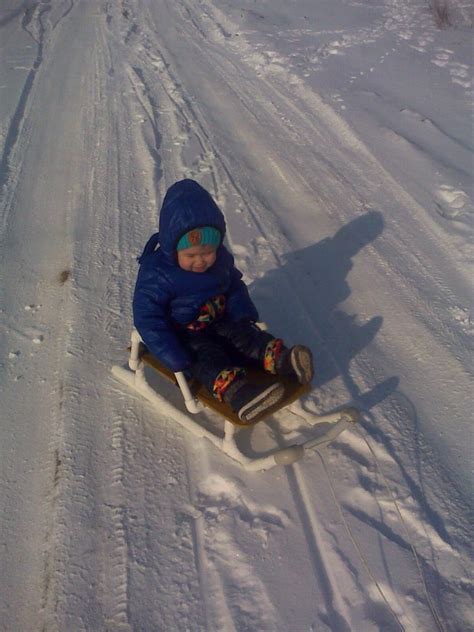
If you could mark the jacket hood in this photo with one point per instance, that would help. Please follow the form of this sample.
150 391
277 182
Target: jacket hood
187 205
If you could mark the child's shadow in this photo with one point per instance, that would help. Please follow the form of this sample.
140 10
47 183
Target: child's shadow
299 301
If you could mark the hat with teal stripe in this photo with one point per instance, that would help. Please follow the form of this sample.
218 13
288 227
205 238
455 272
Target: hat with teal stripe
204 236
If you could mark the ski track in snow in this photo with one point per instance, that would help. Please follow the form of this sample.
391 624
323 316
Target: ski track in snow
136 526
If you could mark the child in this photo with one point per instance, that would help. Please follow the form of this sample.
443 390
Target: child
194 312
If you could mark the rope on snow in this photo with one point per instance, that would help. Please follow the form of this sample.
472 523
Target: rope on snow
356 546
429 601
431 605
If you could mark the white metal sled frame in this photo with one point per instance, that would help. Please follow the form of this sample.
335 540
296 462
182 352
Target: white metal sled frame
136 379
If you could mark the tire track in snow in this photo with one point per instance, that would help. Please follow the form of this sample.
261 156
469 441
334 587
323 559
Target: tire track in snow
89 586
34 23
39 235
69 7
17 124
100 259
117 617
207 162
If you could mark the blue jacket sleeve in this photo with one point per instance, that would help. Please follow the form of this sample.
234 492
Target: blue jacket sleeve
151 318
239 305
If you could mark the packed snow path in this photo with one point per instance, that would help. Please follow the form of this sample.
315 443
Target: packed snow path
346 191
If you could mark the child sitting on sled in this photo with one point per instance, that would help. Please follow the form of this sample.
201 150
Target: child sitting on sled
194 313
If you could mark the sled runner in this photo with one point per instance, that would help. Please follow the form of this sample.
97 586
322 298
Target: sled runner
196 398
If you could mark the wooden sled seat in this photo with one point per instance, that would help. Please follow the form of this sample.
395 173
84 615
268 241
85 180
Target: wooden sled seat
293 390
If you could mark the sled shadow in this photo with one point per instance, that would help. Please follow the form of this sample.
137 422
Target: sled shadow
319 273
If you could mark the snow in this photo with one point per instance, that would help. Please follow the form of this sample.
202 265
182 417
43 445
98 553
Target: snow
337 137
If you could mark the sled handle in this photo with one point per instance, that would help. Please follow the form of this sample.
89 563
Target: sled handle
190 401
135 362
135 342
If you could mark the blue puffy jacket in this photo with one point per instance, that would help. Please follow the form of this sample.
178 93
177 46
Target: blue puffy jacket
166 296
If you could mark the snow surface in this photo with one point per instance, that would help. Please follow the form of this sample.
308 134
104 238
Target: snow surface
336 135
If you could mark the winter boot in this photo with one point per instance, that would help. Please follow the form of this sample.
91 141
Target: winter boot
297 361
249 400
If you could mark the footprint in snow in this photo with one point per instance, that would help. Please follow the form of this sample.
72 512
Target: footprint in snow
464 317
32 309
453 204
460 73
227 517
219 497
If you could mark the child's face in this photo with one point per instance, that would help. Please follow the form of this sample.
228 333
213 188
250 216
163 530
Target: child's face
197 258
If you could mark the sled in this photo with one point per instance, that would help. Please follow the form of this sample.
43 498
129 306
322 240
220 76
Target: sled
197 398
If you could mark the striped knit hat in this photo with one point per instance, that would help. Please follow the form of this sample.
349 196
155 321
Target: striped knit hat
203 236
